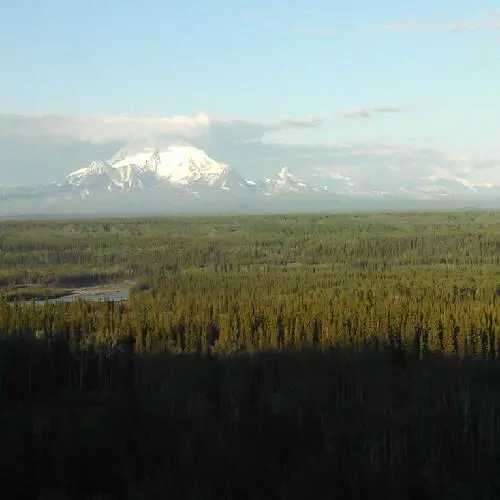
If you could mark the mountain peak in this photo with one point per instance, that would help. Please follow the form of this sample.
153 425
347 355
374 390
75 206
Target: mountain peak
148 165
180 165
286 181
94 169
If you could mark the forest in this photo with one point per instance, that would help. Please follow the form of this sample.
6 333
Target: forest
336 356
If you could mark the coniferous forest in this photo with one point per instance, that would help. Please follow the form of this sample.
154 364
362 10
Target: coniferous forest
257 357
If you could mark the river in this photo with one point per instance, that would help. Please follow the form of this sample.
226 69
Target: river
116 295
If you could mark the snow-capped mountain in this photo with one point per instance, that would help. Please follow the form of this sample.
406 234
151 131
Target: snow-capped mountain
334 182
187 171
178 165
286 182
182 167
101 175
150 175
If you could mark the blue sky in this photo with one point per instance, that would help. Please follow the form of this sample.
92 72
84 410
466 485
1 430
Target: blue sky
436 65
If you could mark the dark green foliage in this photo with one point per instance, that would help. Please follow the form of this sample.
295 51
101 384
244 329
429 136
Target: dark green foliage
423 282
258 357
251 426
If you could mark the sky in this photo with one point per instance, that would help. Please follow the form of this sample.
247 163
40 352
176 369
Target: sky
267 79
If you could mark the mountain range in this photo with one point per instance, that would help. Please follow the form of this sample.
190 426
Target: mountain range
184 169
148 177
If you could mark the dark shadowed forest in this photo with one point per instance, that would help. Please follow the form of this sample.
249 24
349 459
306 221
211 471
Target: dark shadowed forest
280 357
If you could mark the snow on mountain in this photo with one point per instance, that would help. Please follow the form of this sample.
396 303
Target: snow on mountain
186 172
287 182
177 164
100 175
97 176
334 182
145 167
96 169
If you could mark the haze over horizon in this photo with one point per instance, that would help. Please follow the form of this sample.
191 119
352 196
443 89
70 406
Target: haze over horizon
379 87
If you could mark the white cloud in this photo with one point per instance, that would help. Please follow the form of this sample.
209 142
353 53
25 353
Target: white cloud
493 24
387 109
43 148
367 112
355 113
108 128
37 149
102 129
